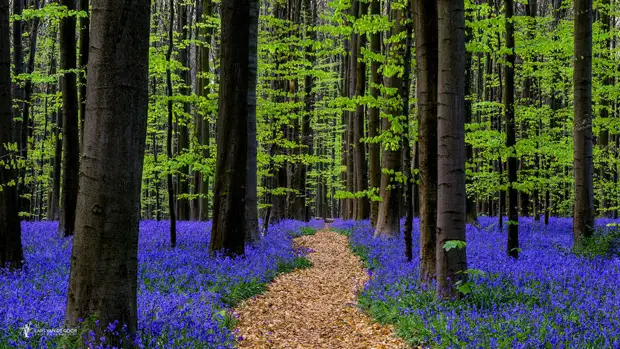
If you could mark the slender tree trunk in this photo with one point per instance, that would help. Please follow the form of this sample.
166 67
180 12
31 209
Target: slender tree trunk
203 90
404 92
104 268
451 196
236 79
171 194
21 126
509 112
374 164
360 170
583 215
70 123
11 254
84 42
183 178
427 61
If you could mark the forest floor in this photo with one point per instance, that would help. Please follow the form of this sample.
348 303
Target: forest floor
315 307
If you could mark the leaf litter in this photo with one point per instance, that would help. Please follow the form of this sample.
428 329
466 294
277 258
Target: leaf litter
316 307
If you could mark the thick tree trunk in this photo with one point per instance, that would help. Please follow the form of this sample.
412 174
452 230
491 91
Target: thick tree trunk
583 215
427 61
388 220
451 196
251 197
11 254
231 174
509 113
70 123
104 268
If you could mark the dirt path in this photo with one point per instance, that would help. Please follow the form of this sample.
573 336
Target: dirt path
314 308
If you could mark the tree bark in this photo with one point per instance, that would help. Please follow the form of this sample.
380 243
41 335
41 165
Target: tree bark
70 123
427 62
11 253
103 278
583 215
388 222
374 164
451 195
171 195
509 111
231 174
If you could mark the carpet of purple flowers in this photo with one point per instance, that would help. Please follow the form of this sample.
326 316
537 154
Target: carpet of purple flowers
549 298
183 293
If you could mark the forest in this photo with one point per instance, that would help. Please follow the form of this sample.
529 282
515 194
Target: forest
309 174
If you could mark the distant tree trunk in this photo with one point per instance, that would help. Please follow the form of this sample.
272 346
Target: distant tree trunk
388 222
84 42
203 122
104 270
171 194
404 92
531 10
360 170
509 112
374 164
236 80
470 206
608 81
183 131
427 61
70 123
583 215
451 195
11 254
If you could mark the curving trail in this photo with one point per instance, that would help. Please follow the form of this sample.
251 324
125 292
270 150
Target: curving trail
315 308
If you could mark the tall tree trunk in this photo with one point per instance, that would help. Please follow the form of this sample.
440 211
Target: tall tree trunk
252 232
509 112
451 195
427 61
171 195
104 268
11 254
404 92
236 80
21 127
374 164
608 81
360 169
388 222
183 131
70 123
203 91
583 215
84 42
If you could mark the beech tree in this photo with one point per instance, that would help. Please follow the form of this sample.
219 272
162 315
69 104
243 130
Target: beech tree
509 112
233 127
426 52
104 260
11 254
451 196
583 212
70 123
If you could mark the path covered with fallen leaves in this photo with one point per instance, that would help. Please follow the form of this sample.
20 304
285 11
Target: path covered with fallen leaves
315 308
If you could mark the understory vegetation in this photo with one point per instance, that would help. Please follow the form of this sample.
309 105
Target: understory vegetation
551 297
183 293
